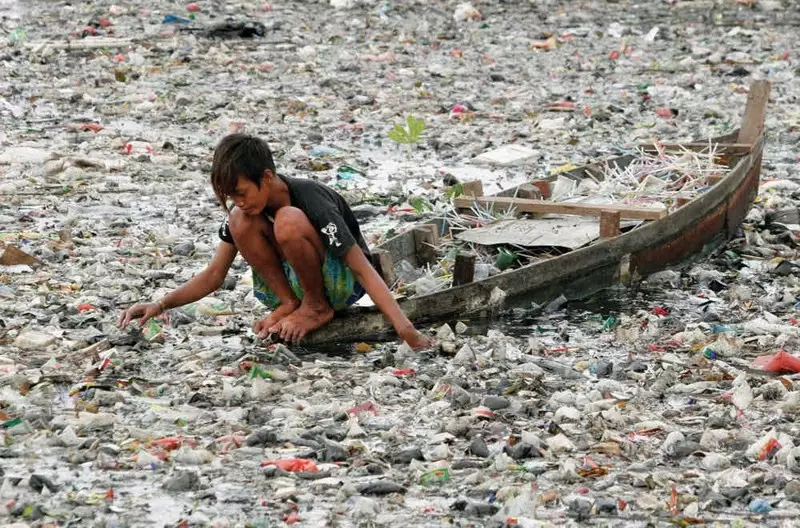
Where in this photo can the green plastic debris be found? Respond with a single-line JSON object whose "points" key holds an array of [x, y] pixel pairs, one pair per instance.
{"points": [[505, 259], [17, 35], [12, 423], [610, 323], [258, 372], [152, 330], [437, 476]]}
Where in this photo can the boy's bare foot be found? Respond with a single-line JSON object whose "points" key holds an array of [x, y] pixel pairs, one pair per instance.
{"points": [[302, 321], [262, 326]]}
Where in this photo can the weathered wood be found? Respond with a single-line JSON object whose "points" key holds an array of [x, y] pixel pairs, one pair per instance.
{"points": [[609, 224], [713, 179], [13, 256], [83, 44], [464, 268], [382, 261], [680, 201], [700, 225], [426, 237], [544, 188], [472, 188], [529, 192], [543, 206], [754, 112]]}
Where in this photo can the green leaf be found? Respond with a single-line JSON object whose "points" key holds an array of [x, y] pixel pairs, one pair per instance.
{"points": [[409, 134], [419, 204], [455, 191], [415, 128], [399, 134]]}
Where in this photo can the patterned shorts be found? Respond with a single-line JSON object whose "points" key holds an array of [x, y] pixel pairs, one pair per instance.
{"points": [[341, 287]]}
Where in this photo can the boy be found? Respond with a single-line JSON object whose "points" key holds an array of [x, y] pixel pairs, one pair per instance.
{"points": [[301, 240]]}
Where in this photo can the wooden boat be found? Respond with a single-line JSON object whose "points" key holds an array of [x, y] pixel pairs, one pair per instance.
{"points": [[696, 226]]}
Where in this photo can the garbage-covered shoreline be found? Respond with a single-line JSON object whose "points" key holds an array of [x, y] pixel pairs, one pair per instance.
{"points": [[640, 406]]}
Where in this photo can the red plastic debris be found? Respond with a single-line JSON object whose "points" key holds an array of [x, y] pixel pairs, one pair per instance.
{"points": [[93, 127], [664, 112], [770, 448], [561, 105], [364, 407], [292, 464], [110, 494], [405, 372], [104, 22], [171, 443], [780, 363], [614, 55], [292, 518], [194, 7], [85, 307], [660, 311]]}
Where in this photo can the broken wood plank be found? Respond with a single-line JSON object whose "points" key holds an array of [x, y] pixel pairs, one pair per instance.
{"points": [[464, 268], [472, 188], [13, 256], [542, 206], [83, 44], [382, 261], [609, 224], [426, 238], [754, 112], [529, 192], [544, 188]]}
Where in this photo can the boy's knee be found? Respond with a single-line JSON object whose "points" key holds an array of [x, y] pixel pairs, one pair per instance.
{"points": [[240, 223], [290, 224]]}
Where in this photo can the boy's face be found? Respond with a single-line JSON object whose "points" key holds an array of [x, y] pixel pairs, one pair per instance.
{"points": [[249, 197]]}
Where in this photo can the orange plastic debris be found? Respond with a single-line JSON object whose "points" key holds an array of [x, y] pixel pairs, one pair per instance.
{"points": [[779, 363], [292, 464]]}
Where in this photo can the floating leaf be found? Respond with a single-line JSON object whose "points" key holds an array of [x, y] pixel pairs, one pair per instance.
{"points": [[409, 134], [455, 191], [419, 204]]}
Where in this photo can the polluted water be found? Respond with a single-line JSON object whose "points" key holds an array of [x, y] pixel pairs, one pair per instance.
{"points": [[670, 402]]}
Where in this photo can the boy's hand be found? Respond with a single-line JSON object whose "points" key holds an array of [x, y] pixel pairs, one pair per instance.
{"points": [[415, 339], [144, 311]]}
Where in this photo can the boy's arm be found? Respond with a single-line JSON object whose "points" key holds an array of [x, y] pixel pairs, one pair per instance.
{"points": [[205, 282], [382, 297]]}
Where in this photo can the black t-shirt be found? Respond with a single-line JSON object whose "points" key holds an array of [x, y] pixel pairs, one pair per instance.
{"points": [[328, 212]]}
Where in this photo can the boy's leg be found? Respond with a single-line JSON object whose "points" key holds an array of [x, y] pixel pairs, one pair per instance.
{"points": [[255, 239], [303, 249]]}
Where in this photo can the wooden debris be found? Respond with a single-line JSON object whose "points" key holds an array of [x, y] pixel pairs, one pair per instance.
{"points": [[472, 188], [426, 238], [464, 268], [609, 224], [542, 206], [382, 261], [13, 256]]}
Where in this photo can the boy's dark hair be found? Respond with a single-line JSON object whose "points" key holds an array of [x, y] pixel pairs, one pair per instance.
{"points": [[239, 155]]}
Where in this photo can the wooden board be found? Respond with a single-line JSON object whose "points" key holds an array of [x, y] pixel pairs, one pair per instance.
{"points": [[543, 206], [570, 232]]}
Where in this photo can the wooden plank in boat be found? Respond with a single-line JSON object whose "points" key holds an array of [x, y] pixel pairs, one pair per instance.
{"points": [[571, 232], [543, 206]]}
